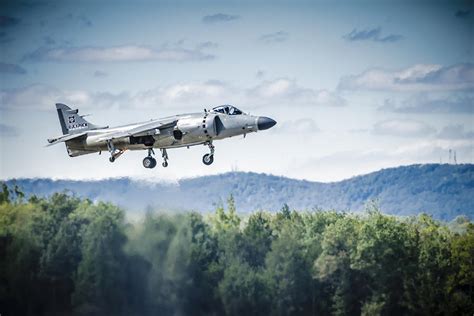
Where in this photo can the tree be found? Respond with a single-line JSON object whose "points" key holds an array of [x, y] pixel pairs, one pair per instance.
{"points": [[4, 194], [333, 267], [100, 282], [257, 239], [288, 275], [383, 245], [460, 284], [187, 275], [223, 221], [243, 290], [64, 255], [426, 285]]}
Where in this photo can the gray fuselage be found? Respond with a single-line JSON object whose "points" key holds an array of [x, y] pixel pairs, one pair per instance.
{"points": [[190, 129]]}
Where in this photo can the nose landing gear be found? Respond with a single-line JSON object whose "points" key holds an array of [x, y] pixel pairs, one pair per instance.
{"points": [[208, 159]]}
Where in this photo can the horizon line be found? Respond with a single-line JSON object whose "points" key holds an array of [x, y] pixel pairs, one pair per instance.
{"points": [[169, 181]]}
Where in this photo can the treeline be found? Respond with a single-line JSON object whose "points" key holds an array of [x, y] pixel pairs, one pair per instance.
{"points": [[68, 256], [444, 191]]}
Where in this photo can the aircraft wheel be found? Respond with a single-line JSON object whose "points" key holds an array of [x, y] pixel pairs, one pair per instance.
{"points": [[165, 164], [154, 163], [149, 162], [112, 159], [208, 159]]}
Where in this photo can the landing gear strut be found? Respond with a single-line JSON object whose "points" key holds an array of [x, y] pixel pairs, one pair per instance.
{"points": [[164, 154], [208, 159], [149, 162], [114, 152]]}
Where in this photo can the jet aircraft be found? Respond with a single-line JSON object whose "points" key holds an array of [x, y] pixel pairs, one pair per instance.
{"points": [[183, 130]]}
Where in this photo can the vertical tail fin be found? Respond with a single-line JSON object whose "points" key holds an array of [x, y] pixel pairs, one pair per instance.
{"points": [[71, 122]]}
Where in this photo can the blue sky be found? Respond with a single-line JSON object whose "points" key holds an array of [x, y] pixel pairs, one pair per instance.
{"points": [[354, 86]]}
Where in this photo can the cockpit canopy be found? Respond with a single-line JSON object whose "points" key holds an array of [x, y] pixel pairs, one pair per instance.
{"points": [[227, 109]]}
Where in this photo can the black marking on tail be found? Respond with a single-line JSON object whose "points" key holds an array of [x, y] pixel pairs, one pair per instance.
{"points": [[61, 121]]}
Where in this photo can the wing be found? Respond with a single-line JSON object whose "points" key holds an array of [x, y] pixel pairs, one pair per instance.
{"points": [[151, 128], [64, 138]]}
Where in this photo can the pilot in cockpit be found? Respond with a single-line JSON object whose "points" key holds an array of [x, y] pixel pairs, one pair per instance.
{"points": [[227, 109]]}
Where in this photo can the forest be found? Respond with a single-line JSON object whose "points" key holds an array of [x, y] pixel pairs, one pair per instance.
{"points": [[65, 255]]}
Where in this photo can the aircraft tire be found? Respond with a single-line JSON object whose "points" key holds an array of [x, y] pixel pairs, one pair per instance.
{"points": [[164, 164], [154, 163], [208, 159], [149, 162], [112, 159]]}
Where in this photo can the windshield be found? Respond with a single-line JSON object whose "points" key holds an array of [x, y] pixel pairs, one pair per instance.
{"points": [[227, 109]]}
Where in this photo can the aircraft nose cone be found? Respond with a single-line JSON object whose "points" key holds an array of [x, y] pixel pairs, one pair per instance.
{"points": [[265, 123]]}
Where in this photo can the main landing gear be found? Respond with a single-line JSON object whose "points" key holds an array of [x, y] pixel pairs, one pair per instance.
{"points": [[164, 155], [208, 159], [150, 162], [114, 152]]}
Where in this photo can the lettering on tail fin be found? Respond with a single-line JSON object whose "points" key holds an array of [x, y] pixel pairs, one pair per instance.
{"points": [[71, 122]]}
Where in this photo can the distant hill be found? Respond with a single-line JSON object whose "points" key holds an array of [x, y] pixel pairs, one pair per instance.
{"points": [[444, 191]]}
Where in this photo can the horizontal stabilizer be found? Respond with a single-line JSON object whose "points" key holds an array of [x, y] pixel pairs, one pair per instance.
{"points": [[64, 138]]}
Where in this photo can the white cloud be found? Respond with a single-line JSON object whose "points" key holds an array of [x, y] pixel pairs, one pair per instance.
{"points": [[335, 166], [422, 103], [278, 88], [285, 90], [328, 98], [208, 93], [299, 126], [419, 77], [31, 97], [219, 18], [100, 74], [455, 132], [276, 37], [43, 97], [189, 91], [371, 34], [403, 128], [124, 53]]}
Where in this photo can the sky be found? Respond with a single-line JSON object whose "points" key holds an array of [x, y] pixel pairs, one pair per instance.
{"points": [[355, 86]]}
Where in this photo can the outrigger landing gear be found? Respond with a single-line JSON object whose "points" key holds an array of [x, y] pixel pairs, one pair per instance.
{"points": [[208, 159], [149, 162], [164, 154], [114, 153]]}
